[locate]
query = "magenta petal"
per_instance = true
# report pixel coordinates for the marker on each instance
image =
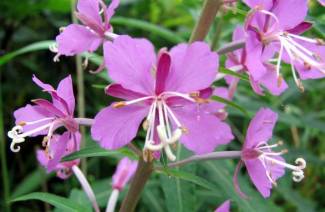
(322, 2)
(257, 173)
(163, 68)
(130, 63)
(49, 107)
(205, 131)
(290, 13)
(44, 86)
(300, 28)
(260, 128)
(194, 67)
(57, 148)
(270, 81)
(76, 39)
(90, 8)
(225, 207)
(254, 61)
(124, 172)
(65, 91)
(31, 113)
(111, 8)
(116, 127)
(42, 157)
(118, 91)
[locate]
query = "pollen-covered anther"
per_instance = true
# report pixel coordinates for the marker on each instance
(61, 29)
(145, 124)
(201, 100)
(320, 41)
(119, 104)
(22, 123)
(184, 130)
(147, 155)
(45, 140)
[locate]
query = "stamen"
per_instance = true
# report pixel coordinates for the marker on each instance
(124, 103)
(173, 93)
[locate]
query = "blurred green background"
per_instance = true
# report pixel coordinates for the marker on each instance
(196, 187)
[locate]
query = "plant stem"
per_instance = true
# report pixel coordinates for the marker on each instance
(140, 178)
(209, 11)
(229, 47)
(81, 92)
(217, 34)
(209, 156)
(84, 121)
(5, 176)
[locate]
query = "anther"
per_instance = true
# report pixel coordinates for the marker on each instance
(145, 124)
(22, 123)
(184, 130)
(320, 41)
(307, 66)
(280, 143)
(119, 104)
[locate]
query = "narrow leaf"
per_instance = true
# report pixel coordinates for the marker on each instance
(234, 74)
(57, 201)
(230, 103)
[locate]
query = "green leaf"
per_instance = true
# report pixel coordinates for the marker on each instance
(41, 45)
(57, 201)
(230, 103)
(96, 151)
(234, 74)
(158, 30)
(188, 177)
(31, 182)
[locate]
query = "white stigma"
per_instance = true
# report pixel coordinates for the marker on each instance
(267, 158)
(18, 135)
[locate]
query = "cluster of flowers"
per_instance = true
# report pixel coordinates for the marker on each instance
(168, 93)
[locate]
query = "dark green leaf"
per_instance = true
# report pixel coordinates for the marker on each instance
(230, 103)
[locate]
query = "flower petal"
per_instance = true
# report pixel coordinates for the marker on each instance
(225, 207)
(257, 173)
(254, 62)
(111, 8)
(130, 62)
(265, 4)
(57, 148)
(290, 13)
(76, 39)
(194, 67)
(90, 8)
(260, 128)
(118, 91)
(301, 28)
(44, 86)
(124, 171)
(65, 91)
(205, 131)
(163, 69)
(116, 127)
(31, 113)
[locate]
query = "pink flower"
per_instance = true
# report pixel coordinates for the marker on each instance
(225, 207)
(236, 61)
(167, 91)
(274, 27)
(124, 172)
(264, 166)
(44, 118)
(77, 38)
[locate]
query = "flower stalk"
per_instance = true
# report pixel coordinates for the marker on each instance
(142, 174)
(209, 11)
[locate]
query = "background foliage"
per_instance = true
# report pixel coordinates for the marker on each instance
(192, 188)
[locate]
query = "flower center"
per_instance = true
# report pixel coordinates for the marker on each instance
(161, 112)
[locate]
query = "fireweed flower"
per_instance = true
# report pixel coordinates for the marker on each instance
(94, 16)
(225, 207)
(271, 29)
(263, 165)
(166, 91)
(236, 61)
(123, 174)
(44, 118)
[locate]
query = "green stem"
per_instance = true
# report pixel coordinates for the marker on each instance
(209, 11)
(81, 93)
(5, 175)
(140, 178)
(217, 34)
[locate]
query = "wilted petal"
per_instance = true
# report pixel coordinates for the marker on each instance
(194, 67)
(260, 128)
(76, 39)
(130, 63)
(116, 127)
